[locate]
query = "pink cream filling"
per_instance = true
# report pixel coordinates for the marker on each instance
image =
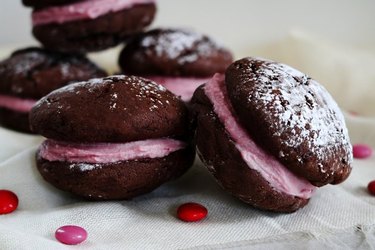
(279, 177)
(108, 152)
(86, 9)
(180, 86)
(16, 103)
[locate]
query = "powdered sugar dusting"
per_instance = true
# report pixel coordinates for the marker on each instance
(20, 63)
(83, 167)
(151, 91)
(113, 102)
(143, 89)
(185, 47)
(302, 108)
(27, 63)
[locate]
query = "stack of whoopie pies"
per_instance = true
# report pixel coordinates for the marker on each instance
(67, 30)
(108, 138)
(268, 133)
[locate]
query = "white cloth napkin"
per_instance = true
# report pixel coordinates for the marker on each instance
(337, 217)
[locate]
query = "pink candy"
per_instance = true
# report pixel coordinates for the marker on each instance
(71, 235)
(362, 151)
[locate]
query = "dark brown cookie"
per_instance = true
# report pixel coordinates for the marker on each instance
(46, 3)
(112, 109)
(293, 117)
(31, 73)
(218, 152)
(34, 72)
(172, 52)
(114, 181)
(95, 34)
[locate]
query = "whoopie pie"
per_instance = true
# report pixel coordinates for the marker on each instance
(91, 25)
(270, 134)
(112, 138)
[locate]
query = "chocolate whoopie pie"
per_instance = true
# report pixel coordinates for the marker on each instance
(91, 25)
(177, 59)
(270, 134)
(112, 138)
(29, 74)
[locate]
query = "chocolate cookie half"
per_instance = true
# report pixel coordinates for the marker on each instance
(91, 25)
(177, 59)
(273, 132)
(112, 138)
(29, 74)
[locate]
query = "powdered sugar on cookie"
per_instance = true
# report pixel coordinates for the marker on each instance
(185, 47)
(142, 88)
(298, 109)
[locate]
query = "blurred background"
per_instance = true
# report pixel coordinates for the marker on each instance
(243, 25)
